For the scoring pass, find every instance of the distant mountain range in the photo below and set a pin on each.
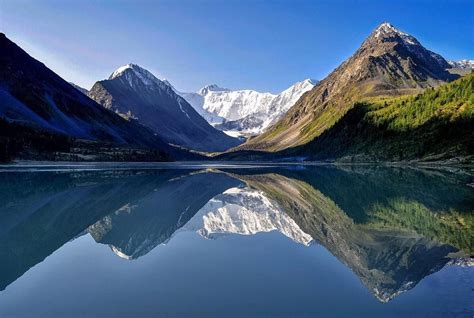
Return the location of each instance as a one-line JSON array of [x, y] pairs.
[[243, 211], [466, 64], [355, 113], [244, 112], [136, 93]]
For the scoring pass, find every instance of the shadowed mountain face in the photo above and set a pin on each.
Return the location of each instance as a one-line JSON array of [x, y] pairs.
[[40, 212], [33, 95], [79, 88], [138, 227], [134, 92], [391, 227], [389, 62]]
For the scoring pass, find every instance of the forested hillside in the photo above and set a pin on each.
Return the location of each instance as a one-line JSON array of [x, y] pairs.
[[434, 125]]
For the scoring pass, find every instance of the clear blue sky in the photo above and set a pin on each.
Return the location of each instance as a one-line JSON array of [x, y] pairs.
[[264, 45]]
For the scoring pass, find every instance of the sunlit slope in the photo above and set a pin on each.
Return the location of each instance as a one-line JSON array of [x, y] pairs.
[[389, 62], [434, 125]]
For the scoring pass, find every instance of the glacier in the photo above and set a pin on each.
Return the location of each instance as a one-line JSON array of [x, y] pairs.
[[244, 112]]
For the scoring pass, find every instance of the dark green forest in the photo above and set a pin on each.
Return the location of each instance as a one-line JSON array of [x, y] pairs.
[[434, 125], [23, 142]]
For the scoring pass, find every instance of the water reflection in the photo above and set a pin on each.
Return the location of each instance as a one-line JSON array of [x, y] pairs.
[[391, 227], [145, 222]]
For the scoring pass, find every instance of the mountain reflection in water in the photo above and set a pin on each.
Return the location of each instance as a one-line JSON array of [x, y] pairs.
[[391, 226]]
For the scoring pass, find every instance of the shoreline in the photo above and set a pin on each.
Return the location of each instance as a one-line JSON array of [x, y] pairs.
[[228, 164]]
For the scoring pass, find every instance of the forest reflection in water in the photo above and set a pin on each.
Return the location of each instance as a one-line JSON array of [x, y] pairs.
[[391, 227]]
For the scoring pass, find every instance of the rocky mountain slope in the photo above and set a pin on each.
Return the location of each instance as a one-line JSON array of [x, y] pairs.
[[245, 112], [135, 93], [33, 96], [434, 125], [389, 62]]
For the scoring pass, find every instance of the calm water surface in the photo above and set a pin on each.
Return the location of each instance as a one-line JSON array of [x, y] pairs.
[[236, 241]]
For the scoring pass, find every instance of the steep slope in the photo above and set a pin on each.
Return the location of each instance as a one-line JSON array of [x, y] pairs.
[[389, 62], [33, 95], [434, 125], [135, 93], [245, 112], [197, 101], [79, 88]]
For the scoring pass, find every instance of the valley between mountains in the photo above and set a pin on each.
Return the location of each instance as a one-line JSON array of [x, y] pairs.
[[393, 100]]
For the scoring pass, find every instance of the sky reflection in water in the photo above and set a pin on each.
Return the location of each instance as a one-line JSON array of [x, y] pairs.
[[276, 241]]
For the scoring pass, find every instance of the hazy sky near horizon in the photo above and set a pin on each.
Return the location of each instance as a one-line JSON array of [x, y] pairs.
[[263, 45]]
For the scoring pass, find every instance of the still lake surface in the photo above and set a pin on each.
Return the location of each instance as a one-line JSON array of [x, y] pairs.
[[180, 240]]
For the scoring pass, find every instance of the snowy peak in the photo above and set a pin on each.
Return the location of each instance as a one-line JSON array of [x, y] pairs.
[[464, 64], [133, 91], [122, 69], [387, 30], [244, 211], [211, 88], [309, 82], [387, 33], [134, 74], [245, 112]]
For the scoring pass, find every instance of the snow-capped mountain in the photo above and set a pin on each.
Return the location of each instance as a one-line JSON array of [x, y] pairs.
[[389, 62], [244, 112], [244, 211], [171, 199], [35, 96], [387, 31], [464, 64], [197, 101], [135, 92]]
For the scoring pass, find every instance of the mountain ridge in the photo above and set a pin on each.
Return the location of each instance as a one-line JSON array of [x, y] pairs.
[[245, 112], [389, 62], [135, 92], [33, 96]]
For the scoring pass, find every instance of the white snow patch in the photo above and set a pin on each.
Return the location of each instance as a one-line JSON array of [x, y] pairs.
[[244, 211], [259, 109], [181, 108], [465, 64]]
